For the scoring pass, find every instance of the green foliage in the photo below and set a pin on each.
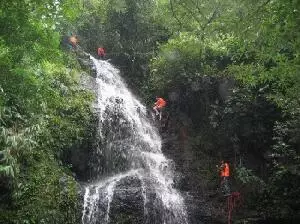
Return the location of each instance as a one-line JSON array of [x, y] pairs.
[[203, 18], [129, 32], [43, 194], [186, 59], [256, 44], [189, 47], [13, 145], [280, 199], [43, 112], [246, 176]]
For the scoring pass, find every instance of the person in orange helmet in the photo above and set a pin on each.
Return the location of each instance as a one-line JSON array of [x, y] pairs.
[[224, 174], [159, 105]]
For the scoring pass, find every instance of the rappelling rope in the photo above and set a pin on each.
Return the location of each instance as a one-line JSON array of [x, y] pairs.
[[233, 200]]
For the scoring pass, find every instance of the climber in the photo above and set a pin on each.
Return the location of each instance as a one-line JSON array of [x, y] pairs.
[[224, 174], [73, 41], [159, 106], [101, 52]]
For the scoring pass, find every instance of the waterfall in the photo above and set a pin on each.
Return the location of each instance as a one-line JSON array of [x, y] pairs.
[[132, 179]]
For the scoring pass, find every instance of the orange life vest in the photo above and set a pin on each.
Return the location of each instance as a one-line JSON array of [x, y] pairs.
[[160, 103], [225, 170]]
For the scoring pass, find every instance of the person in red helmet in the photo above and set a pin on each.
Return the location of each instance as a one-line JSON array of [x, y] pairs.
[[159, 105], [101, 52]]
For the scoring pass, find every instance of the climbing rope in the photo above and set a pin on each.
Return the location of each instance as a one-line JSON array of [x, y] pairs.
[[233, 201]]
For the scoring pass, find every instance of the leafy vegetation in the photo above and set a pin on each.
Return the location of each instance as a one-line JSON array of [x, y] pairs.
[[43, 111], [254, 45], [231, 67]]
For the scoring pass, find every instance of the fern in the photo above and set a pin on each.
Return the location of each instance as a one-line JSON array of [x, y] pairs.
[[13, 143]]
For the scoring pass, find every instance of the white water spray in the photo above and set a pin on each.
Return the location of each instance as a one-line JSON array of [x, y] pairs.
[[129, 147]]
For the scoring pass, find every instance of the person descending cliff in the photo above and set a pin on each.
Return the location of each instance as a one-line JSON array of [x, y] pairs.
[[159, 105], [101, 52], [224, 174]]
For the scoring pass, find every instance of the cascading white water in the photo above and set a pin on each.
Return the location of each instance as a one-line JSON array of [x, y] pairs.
[[128, 152]]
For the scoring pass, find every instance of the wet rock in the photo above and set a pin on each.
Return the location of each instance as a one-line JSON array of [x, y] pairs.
[[127, 204]]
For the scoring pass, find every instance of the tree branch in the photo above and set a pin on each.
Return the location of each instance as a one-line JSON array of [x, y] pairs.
[[197, 7], [213, 16], [174, 15], [191, 12]]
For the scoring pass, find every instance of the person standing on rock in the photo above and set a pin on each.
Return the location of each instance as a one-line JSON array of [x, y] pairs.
[[224, 174]]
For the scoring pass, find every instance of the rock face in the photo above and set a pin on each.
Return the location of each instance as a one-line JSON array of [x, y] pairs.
[[197, 177], [127, 205], [198, 205]]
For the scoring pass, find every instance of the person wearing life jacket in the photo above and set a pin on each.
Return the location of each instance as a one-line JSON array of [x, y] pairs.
[[159, 105], [101, 52], [224, 174]]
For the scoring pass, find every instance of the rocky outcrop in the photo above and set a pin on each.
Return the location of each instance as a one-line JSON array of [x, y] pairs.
[[192, 179], [127, 203]]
